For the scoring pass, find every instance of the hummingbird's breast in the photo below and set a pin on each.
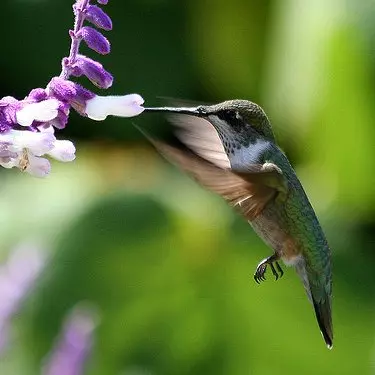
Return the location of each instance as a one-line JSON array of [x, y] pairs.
[[271, 226], [289, 227]]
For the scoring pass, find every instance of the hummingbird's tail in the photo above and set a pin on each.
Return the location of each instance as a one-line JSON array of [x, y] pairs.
[[324, 318], [321, 301]]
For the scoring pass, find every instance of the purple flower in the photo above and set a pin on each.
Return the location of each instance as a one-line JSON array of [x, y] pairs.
[[94, 106], [24, 149], [38, 95], [94, 40], [70, 93], [74, 345], [98, 17], [27, 126], [93, 70], [17, 276]]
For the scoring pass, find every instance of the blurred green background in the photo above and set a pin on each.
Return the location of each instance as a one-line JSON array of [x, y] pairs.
[[168, 264]]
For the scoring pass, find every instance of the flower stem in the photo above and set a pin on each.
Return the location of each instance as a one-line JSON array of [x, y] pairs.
[[79, 8]]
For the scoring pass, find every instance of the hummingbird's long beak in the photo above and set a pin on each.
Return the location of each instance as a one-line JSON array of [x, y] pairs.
[[193, 111]]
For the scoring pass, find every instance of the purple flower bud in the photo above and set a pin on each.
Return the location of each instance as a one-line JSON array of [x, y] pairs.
[[17, 276], [62, 89], [103, 2], [4, 124], [7, 100], [75, 70], [8, 109], [37, 95], [94, 40], [93, 70], [98, 17], [74, 345], [62, 116], [70, 92]]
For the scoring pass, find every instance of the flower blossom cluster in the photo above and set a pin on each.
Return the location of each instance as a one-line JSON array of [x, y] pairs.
[[17, 277], [72, 348], [27, 127]]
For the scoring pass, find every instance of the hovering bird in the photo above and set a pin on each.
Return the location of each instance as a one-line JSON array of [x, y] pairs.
[[231, 150]]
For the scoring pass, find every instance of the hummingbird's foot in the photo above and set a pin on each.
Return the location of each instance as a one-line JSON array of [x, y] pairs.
[[262, 267]]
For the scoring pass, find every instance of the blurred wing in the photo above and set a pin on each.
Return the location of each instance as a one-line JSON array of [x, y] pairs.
[[201, 137], [245, 191]]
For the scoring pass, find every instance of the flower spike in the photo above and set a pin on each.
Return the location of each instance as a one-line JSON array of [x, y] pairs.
[[27, 126]]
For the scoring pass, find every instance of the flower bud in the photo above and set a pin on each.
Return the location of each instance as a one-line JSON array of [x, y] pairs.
[[70, 92], [37, 95], [98, 17], [4, 124], [93, 70], [94, 40]]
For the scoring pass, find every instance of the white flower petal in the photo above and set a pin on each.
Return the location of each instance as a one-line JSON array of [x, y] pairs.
[[47, 128], [38, 167], [63, 151], [10, 164], [7, 137], [43, 111], [38, 143], [99, 107]]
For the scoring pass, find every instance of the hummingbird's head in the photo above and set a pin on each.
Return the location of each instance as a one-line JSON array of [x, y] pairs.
[[239, 116], [233, 118]]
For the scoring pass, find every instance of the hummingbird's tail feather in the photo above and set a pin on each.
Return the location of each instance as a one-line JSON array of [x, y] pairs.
[[321, 301], [324, 318]]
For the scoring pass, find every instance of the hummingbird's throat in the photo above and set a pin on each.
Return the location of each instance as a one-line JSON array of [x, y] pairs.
[[231, 139]]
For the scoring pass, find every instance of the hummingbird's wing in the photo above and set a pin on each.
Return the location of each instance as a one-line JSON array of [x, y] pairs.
[[201, 137], [248, 191]]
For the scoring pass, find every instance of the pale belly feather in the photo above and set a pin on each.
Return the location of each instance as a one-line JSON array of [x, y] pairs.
[[268, 226]]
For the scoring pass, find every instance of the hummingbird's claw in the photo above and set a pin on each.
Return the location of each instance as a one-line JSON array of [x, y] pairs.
[[279, 269], [262, 267], [274, 271], [260, 272]]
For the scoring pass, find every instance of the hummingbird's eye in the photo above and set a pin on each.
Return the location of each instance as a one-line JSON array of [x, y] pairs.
[[227, 115], [232, 117]]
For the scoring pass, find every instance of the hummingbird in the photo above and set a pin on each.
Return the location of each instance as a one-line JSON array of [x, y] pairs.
[[230, 149]]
